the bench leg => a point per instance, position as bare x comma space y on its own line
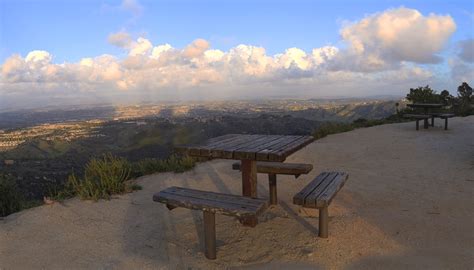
272, 186
445, 123
323, 222
417, 124
209, 235
425, 126
432, 121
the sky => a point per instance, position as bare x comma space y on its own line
129, 51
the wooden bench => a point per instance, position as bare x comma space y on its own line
444, 116
319, 194
274, 168
211, 203
418, 118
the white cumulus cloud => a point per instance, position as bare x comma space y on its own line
383, 40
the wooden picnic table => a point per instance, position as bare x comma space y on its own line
249, 149
426, 106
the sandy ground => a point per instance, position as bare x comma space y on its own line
407, 205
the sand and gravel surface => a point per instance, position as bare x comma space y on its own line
408, 204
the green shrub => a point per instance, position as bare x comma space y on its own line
423, 95
332, 128
336, 127
174, 163
10, 197
102, 178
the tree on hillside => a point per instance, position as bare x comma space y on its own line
423, 95
465, 92
446, 98
465, 99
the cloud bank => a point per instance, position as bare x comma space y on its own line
383, 53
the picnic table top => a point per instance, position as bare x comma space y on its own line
249, 147
425, 105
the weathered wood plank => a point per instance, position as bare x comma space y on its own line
244, 146
204, 205
446, 115
196, 200
205, 150
300, 196
249, 151
289, 149
282, 145
195, 150
310, 200
262, 155
253, 152
425, 105
279, 168
213, 196
325, 197
320, 192
227, 150
417, 116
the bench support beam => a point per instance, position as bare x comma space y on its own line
272, 186
209, 235
446, 123
323, 222
249, 186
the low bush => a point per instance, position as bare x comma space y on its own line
102, 178
174, 163
338, 127
332, 128
10, 197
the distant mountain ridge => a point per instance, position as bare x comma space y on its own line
317, 110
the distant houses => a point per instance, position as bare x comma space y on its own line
9, 162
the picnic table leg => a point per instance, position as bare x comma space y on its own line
425, 126
417, 124
209, 235
272, 185
249, 185
432, 121
446, 123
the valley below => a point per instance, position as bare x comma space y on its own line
40, 148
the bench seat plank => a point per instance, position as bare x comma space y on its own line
226, 204
446, 115
325, 198
213, 196
417, 116
319, 192
300, 196
279, 168
311, 199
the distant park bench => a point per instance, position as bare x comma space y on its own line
444, 116
211, 203
425, 117
418, 118
274, 168
319, 194
427, 113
